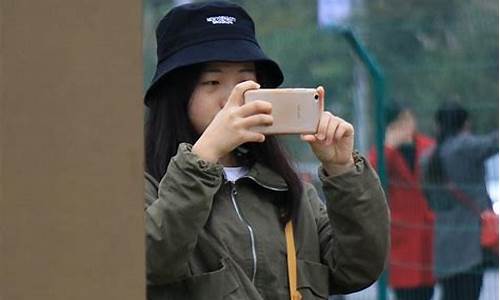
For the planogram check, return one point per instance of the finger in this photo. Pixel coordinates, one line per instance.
(308, 138)
(322, 126)
(257, 120)
(339, 132)
(236, 96)
(255, 107)
(344, 130)
(321, 92)
(337, 121)
(330, 134)
(251, 136)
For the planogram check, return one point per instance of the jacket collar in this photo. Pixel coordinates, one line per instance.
(266, 178)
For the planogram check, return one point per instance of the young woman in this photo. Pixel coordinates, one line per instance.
(412, 220)
(458, 159)
(220, 195)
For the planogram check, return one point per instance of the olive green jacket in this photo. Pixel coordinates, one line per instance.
(207, 238)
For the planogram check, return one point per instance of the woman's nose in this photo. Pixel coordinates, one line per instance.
(226, 92)
(222, 101)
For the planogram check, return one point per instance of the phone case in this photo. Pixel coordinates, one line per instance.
(295, 111)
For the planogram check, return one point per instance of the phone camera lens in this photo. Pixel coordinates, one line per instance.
(316, 96)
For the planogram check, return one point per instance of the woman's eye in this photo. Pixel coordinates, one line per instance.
(210, 82)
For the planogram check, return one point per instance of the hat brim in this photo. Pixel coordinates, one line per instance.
(219, 50)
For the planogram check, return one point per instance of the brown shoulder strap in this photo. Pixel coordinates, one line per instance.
(292, 262)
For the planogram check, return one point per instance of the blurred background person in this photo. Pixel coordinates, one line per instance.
(410, 265)
(458, 159)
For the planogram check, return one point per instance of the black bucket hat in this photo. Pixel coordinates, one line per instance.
(209, 31)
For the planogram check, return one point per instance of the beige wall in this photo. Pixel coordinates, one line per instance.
(71, 199)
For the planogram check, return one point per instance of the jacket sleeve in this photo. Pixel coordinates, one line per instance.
(353, 227)
(482, 146)
(392, 163)
(177, 208)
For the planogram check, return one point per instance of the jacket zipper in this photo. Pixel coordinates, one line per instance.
(250, 230)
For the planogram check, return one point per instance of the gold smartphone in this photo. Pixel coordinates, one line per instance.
(295, 110)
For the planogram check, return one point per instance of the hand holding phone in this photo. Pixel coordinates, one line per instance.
(294, 110)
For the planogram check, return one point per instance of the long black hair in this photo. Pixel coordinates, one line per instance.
(167, 125)
(450, 119)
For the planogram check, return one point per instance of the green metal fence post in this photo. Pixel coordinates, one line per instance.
(379, 92)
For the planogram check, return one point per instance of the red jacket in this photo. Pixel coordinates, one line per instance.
(412, 220)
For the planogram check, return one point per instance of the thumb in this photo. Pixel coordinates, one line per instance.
(236, 96)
